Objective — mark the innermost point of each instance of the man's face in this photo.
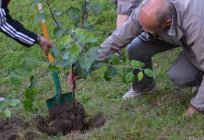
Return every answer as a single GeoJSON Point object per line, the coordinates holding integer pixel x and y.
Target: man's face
{"type": "Point", "coordinates": [151, 26]}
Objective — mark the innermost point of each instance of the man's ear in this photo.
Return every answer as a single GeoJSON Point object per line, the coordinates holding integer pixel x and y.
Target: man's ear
{"type": "Point", "coordinates": [168, 22]}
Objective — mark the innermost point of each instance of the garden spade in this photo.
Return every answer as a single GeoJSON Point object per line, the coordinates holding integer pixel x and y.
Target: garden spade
{"type": "Point", "coordinates": [58, 99]}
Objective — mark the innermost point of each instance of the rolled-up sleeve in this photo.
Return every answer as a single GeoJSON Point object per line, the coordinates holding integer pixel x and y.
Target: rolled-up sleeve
{"type": "Point", "coordinates": [121, 36]}
{"type": "Point", "coordinates": [125, 7]}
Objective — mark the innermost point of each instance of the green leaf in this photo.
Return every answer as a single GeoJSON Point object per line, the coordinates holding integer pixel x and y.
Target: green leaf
{"type": "Point", "coordinates": [107, 77]}
{"type": "Point", "coordinates": [85, 36]}
{"type": "Point", "coordinates": [31, 78]}
{"type": "Point", "coordinates": [90, 37]}
{"type": "Point", "coordinates": [85, 63]}
{"type": "Point", "coordinates": [136, 64]}
{"type": "Point", "coordinates": [74, 50]}
{"type": "Point", "coordinates": [115, 59]}
{"type": "Point", "coordinates": [27, 104]}
{"type": "Point", "coordinates": [149, 72]}
{"type": "Point", "coordinates": [52, 67]}
{"type": "Point", "coordinates": [40, 17]}
{"type": "Point", "coordinates": [129, 77]}
{"type": "Point", "coordinates": [72, 54]}
{"type": "Point", "coordinates": [54, 51]}
{"type": "Point", "coordinates": [58, 32]}
{"type": "Point", "coordinates": [74, 14]}
{"type": "Point", "coordinates": [14, 102]}
{"type": "Point", "coordinates": [123, 77]}
{"type": "Point", "coordinates": [65, 40]}
{"type": "Point", "coordinates": [80, 31]}
{"type": "Point", "coordinates": [81, 34]}
{"type": "Point", "coordinates": [97, 8]}
{"type": "Point", "coordinates": [92, 53]}
{"type": "Point", "coordinates": [66, 56]}
{"type": "Point", "coordinates": [2, 105]}
{"type": "Point", "coordinates": [7, 113]}
{"type": "Point", "coordinates": [140, 75]}
{"type": "Point", "coordinates": [69, 45]}
{"type": "Point", "coordinates": [110, 72]}
{"type": "Point", "coordinates": [64, 63]}
{"type": "Point", "coordinates": [30, 94]}
{"type": "Point", "coordinates": [80, 72]}
{"type": "Point", "coordinates": [88, 25]}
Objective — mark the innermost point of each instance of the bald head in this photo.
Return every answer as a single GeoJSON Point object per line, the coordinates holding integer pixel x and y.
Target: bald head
{"type": "Point", "coordinates": [153, 13]}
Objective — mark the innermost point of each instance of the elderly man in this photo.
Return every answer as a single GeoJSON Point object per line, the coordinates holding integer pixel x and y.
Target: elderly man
{"type": "Point", "coordinates": [15, 30]}
{"type": "Point", "coordinates": [157, 26]}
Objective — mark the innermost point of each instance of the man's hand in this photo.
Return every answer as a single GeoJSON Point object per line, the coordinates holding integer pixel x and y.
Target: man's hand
{"type": "Point", "coordinates": [45, 44]}
{"type": "Point", "coordinates": [70, 82]}
{"type": "Point", "coordinates": [191, 111]}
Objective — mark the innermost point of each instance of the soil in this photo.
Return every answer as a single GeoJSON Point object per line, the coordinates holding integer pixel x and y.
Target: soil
{"type": "Point", "coordinates": [61, 120]}
{"type": "Point", "coordinates": [9, 128]}
{"type": "Point", "coordinates": [95, 122]}
{"type": "Point", "coordinates": [31, 136]}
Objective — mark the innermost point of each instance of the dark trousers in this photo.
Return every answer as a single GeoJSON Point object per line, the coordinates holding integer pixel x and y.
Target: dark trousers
{"type": "Point", "coordinates": [181, 72]}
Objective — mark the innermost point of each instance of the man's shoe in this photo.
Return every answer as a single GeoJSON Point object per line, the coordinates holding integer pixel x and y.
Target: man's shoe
{"type": "Point", "coordinates": [132, 94]}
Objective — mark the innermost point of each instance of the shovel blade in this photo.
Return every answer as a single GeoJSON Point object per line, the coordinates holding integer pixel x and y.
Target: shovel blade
{"type": "Point", "coordinates": [56, 101]}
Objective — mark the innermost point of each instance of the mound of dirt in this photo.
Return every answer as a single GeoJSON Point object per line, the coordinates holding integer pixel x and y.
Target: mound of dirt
{"type": "Point", "coordinates": [61, 120]}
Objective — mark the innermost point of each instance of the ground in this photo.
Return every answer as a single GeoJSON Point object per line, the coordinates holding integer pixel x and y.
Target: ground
{"type": "Point", "coordinates": [159, 115]}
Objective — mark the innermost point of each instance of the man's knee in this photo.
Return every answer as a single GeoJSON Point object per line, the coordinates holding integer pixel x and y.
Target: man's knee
{"type": "Point", "coordinates": [179, 78]}
{"type": "Point", "coordinates": [133, 49]}
{"type": "Point", "coordinates": [175, 78]}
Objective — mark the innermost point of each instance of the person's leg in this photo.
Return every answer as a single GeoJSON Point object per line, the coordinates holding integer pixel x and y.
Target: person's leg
{"type": "Point", "coordinates": [142, 49]}
{"type": "Point", "coordinates": [184, 73]}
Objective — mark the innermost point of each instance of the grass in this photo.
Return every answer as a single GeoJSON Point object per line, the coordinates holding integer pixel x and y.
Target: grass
{"type": "Point", "coordinates": [155, 116]}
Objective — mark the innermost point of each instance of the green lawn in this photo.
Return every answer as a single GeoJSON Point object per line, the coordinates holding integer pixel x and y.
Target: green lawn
{"type": "Point", "coordinates": [155, 116]}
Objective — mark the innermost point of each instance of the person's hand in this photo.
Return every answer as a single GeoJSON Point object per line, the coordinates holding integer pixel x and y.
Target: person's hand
{"type": "Point", "coordinates": [191, 111]}
{"type": "Point", "coordinates": [70, 82]}
{"type": "Point", "coordinates": [45, 44]}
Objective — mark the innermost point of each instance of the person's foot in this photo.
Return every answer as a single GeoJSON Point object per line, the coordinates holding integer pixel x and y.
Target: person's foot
{"type": "Point", "coordinates": [132, 93]}
{"type": "Point", "coordinates": [191, 111]}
